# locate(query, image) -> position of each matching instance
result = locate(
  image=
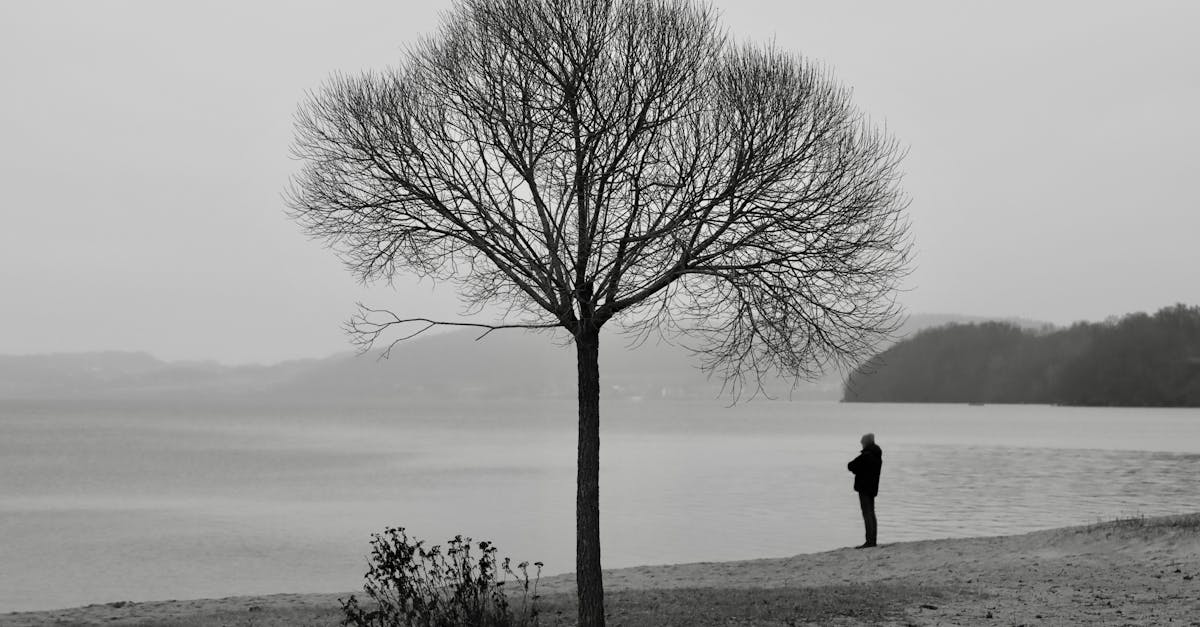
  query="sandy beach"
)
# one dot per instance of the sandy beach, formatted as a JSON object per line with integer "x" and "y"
{"x": 1141, "y": 571}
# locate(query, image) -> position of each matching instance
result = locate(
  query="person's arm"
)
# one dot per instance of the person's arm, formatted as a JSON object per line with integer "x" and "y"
{"x": 854, "y": 464}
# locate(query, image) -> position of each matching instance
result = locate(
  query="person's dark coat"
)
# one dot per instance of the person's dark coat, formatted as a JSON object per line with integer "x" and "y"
{"x": 866, "y": 470}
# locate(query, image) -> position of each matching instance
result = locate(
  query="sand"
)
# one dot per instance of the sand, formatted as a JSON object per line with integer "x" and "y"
{"x": 1128, "y": 572}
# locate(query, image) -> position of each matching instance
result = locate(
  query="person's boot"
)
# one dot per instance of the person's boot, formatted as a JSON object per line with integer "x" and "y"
{"x": 866, "y": 545}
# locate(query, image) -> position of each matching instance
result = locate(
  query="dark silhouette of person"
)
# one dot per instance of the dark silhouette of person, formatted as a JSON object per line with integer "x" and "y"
{"x": 866, "y": 482}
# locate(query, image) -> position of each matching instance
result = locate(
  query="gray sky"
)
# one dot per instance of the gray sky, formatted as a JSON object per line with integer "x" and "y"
{"x": 144, "y": 145}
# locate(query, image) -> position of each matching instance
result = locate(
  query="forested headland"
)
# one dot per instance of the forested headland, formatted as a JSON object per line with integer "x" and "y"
{"x": 1145, "y": 360}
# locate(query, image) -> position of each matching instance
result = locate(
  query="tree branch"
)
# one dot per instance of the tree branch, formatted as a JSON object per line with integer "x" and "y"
{"x": 366, "y": 326}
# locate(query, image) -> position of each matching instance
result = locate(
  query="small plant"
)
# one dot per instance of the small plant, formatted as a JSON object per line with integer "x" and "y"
{"x": 414, "y": 587}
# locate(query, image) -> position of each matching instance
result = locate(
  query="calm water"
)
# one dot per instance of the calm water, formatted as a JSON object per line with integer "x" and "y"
{"x": 143, "y": 502}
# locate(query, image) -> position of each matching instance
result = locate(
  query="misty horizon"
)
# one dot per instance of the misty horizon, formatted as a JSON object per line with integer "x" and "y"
{"x": 374, "y": 353}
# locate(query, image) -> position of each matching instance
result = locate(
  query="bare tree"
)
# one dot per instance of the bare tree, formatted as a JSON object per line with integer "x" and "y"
{"x": 588, "y": 161}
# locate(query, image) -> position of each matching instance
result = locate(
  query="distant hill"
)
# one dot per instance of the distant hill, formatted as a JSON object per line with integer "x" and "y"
{"x": 502, "y": 365}
{"x": 1137, "y": 360}
{"x": 920, "y": 322}
{"x": 116, "y": 374}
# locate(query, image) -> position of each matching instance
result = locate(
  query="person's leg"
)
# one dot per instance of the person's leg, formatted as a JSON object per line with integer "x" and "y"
{"x": 867, "y": 503}
{"x": 872, "y": 524}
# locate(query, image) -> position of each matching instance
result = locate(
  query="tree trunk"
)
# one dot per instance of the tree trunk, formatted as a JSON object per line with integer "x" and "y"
{"x": 588, "y": 576}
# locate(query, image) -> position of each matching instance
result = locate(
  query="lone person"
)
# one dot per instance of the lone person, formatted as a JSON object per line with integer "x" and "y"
{"x": 866, "y": 482}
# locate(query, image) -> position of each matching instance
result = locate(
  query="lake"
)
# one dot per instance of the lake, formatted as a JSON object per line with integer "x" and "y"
{"x": 147, "y": 501}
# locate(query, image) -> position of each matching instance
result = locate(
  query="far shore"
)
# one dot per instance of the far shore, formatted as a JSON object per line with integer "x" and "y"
{"x": 1137, "y": 571}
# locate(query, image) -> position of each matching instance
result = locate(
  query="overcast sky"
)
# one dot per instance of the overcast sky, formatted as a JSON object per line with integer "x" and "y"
{"x": 1053, "y": 166}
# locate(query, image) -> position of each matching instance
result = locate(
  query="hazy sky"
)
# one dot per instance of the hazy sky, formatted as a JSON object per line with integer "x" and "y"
{"x": 1053, "y": 165}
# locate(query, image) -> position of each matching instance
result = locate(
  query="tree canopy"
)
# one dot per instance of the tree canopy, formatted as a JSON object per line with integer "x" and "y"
{"x": 591, "y": 161}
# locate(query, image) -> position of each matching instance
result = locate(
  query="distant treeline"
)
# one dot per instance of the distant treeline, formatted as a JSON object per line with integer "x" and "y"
{"x": 1138, "y": 360}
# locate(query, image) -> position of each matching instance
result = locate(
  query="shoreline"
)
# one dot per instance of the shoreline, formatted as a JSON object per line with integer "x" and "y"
{"x": 1128, "y": 571}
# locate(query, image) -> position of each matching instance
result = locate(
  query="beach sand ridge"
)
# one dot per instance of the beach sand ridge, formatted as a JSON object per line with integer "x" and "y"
{"x": 1141, "y": 571}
